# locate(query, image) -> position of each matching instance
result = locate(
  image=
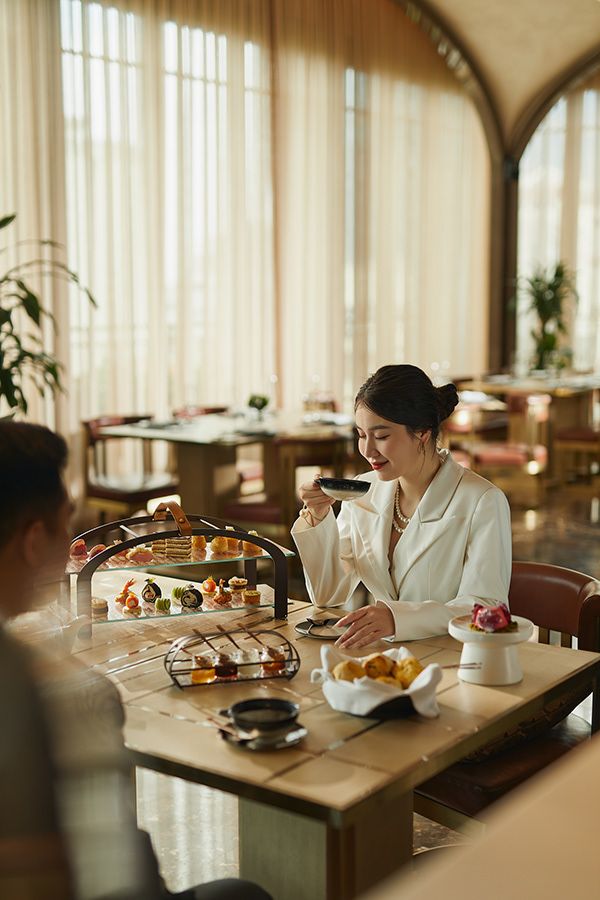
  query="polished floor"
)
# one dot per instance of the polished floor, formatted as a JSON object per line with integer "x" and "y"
{"x": 194, "y": 829}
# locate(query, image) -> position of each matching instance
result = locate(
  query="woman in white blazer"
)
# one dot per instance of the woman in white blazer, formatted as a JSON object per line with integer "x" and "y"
{"x": 427, "y": 540}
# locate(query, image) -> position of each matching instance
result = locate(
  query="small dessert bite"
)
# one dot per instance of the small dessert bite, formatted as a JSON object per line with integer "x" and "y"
{"x": 99, "y": 608}
{"x": 140, "y": 555}
{"x": 492, "y": 619}
{"x": 78, "y": 550}
{"x": 250, "y": 549}
{"x": 233, "y": 544}
{"x": 248, "y": 663}
{"x": 120, "y": 555}
{"x": 219, "y": 545}
{"x": 237, "y": 586}
{"x": 208, "y": 588}
{"x": 163, "y": 604}
{"x": 176, "y": 593}
{"x": 252, "y": 597}
{"x": 272, "y": 660}
{"x": 204, "y": 669}
{"x": 178, "y": 549}
{"x": 191, "y": 597}
{"x": 198, "y": 542}
{"x": 122, "y": 596}
{"x": 151, "y": 591}
{"x": 225, "y": 666}
{"x": 222, "y": 599}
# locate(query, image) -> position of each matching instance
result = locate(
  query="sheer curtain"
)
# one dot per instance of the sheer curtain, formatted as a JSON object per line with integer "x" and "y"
{"x": 559, "y": 198}
{"x": 259, "y": 192}
{"x": 382, "y": 191}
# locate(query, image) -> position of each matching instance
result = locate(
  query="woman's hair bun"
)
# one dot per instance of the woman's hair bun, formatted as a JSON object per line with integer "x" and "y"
{"x": 446, "y": 398}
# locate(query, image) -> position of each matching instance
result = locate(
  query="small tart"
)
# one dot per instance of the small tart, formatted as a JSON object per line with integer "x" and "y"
{"x": 252, "y": 598}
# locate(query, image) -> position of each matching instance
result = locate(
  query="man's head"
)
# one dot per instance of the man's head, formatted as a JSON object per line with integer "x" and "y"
{"x": 34, "y": 511}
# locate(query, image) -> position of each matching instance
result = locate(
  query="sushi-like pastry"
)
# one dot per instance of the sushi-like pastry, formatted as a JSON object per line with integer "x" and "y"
{"x": 219, "y": 544}
{"x": 406, "y": 670}
{"x": 151, "y": 591}
{"x": 249, "y": 549}
{"x": 120, "y": 554}
{"x": 122, "y": 597}
{"x": 198, "y": 542}
{"x": 163, "y": 604}
{"x": 208, "y": 588}
{"x": 132, "y": 601}
{"x": 140, "y": 555}
{"x": 377, "y": 664}
{"x": 78, "y": 549}
{"x": 134, "y": 611}
{"x": 191, "y": 598}
{"x": 95, "y": 550}
{"x": 252, "y": 597}
{"x": 233, "y": 544}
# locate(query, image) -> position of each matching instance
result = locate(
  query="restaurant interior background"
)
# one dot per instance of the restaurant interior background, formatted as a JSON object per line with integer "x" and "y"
{"x": 274, "y": 198}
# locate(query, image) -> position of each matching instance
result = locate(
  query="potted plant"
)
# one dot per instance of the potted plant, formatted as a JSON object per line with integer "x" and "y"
{"x": 548, "y": 291}
{"x": 22, "y": 356}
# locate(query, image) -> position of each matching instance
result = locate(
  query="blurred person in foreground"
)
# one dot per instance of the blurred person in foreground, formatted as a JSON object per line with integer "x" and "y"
{"x": 67, "y": 802}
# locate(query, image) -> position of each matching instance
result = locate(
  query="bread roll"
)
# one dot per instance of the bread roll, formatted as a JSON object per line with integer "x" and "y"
{"x": 377, "y": 664}
{"x": 406, "y": 670}
{"x": 348, "y": 670}
{"x": 387, "y": 679}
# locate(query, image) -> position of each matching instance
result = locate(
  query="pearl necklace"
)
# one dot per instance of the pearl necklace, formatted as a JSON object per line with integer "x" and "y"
{"x": 398, "y": 514}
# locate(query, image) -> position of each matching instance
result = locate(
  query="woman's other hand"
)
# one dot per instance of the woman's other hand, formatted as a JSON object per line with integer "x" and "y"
{"x": 365, "y": 626}
{"x": 314, "y": 499}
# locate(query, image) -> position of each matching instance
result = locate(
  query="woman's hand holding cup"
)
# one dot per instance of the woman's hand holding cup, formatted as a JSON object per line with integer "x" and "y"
{"x": 314, "y": 499}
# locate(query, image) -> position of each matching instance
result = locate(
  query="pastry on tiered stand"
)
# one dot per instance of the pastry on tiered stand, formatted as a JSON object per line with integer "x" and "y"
{"x": 209, "y": 589}
{"x": 222, "y": 598}
{"x": 179, "y": 549}
{"x": 151, "y": 591}
{"x": 250, "y": 549}
{"x": 238, "y": 586}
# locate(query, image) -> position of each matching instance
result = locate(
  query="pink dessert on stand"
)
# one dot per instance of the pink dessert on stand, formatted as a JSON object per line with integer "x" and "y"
{"x": 492, "y": 619}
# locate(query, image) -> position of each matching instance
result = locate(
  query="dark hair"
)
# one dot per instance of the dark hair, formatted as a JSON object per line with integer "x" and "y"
{"x": 406, "y": 395}
{"x": 32, "y": 459}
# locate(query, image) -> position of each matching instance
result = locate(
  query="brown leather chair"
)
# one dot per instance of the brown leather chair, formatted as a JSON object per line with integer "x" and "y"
{"x": 558, "y": 600}
{"x": 119, "y": 496}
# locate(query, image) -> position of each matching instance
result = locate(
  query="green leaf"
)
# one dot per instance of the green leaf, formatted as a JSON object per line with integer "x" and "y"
{"x": 7, "y": 220}
{"x": 30, "y": 303}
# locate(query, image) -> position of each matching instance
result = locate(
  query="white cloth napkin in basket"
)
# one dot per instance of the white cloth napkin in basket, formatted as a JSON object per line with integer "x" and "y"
{"x": 364, "y": 695}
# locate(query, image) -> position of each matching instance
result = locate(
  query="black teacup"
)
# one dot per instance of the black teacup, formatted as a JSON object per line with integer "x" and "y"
{"x": 268, "y": 714}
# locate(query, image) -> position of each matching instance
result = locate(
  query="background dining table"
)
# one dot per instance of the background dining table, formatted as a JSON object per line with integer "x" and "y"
{"x": 330, "y": 817}
{"x": 206, "y": 450}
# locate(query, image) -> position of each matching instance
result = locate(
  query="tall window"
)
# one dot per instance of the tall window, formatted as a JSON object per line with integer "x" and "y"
{"x": 281, "y": 188}
{"x": 559, "y": 199}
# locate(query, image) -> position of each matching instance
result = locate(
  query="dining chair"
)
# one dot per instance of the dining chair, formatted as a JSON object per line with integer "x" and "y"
{"x": 518, "y": 465}
{"x": 119, "y": 495}
{"x": 574, "y": 449}
{"x": 557, "y": 600}
{"x": 275, "y": 513}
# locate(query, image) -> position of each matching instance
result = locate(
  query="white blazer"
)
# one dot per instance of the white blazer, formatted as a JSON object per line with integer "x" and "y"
{"x": 455, "y": 551}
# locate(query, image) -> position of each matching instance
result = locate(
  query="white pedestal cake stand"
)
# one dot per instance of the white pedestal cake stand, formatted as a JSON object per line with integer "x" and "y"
{"x": 497, "y": 652}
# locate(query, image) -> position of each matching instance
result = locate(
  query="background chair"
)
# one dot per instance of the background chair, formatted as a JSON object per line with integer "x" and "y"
{"x": 517, "y": 465}
{"x": 275, "y": 511}
{"x": 118, "y": 495}
{"x": 575, "y": 450}
{"x": 556, "y": 600}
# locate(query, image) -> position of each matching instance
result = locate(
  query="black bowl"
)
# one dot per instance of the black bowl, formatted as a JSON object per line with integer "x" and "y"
{"x": 343, "y": 488}
{"x": 268, "y": 714}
